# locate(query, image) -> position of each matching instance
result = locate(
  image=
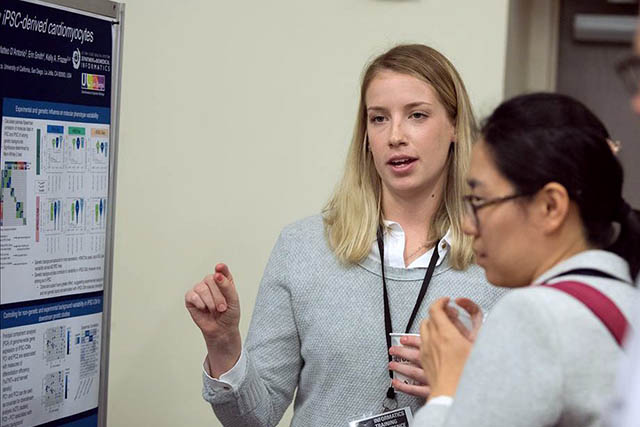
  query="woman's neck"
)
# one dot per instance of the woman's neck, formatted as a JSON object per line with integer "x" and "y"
{"x": 562, "y": 246}
{"x": 414, "y": 214}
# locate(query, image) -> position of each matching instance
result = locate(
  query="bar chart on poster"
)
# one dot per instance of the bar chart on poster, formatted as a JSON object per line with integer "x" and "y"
{"x": 59, "y": 95}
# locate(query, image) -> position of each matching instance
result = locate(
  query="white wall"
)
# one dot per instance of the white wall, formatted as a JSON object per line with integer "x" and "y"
{"x": 235, "y": 121}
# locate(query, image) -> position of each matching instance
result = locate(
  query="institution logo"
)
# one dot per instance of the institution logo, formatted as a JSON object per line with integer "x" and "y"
{"x": 95, "y": 82}
{"x": 76, "y": 59}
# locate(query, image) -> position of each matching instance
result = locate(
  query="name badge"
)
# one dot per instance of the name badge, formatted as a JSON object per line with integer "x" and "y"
{"x": 398, "y": 418}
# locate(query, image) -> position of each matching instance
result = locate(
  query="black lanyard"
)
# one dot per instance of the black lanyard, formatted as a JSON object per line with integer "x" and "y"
{"x": 390, "y": 401}
{"x": 587, "y": 272}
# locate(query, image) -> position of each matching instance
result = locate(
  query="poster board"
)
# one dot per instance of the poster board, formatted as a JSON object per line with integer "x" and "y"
{"x": 59, "y": 105}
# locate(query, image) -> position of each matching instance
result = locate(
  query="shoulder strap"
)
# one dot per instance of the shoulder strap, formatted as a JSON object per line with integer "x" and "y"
{"x": 589, "y": 272}
{"x": 600, "y": 304}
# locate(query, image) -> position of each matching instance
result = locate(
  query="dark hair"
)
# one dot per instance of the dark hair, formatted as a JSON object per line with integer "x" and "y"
{"x": 544, "y": 137}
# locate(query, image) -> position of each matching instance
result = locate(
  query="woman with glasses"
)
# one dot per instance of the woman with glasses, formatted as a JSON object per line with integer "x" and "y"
{"x": 547, "y": 217}
{"x": 388, "y": 244}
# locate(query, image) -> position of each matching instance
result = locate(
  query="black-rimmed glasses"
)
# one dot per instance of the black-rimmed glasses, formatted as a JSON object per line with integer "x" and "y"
{"x": 629, "y": 71}
{"x": 474, "y": 203}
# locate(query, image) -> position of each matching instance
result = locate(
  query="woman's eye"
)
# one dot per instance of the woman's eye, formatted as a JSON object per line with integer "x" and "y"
{"x": 376, "y": 119}
{"x": 475, "y": 200}
{"x": 418, "y": 115}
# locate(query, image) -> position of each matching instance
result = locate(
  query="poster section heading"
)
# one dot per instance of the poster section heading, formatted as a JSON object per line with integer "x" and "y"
{"x": 32, "y": 314}
{"x": 21, "y": 108}
{"x": 18, "y": 20}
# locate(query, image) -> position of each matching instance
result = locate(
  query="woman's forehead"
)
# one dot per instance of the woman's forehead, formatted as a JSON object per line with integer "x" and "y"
{"x": 388, "y": 82}
{"x": 482, "y": 171}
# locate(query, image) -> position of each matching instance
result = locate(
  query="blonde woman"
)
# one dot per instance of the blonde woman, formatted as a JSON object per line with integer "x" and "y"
{"x": 326, "y": 303}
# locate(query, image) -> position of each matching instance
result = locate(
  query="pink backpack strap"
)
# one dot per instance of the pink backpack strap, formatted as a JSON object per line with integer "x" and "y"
{"x": 600, "y": 304}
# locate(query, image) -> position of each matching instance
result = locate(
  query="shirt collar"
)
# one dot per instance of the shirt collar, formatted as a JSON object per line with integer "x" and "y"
{"x": 394, "y": 240}
{"x": 596, "y": 259}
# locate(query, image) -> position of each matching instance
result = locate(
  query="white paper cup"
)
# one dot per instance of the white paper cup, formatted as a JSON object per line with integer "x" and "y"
{"x": 463, "y": 316}
{"x": 395, "y": 341}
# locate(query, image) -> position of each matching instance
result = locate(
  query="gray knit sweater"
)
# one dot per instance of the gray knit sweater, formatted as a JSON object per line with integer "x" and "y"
{"x": 542, "y": 358}
{"x": 318, "y": 328}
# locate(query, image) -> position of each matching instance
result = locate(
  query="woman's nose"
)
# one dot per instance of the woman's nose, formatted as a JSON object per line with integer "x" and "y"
{"x": 397, "y": 136}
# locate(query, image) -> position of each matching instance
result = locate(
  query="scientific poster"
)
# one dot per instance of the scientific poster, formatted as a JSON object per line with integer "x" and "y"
{"x": 55, "y": 95}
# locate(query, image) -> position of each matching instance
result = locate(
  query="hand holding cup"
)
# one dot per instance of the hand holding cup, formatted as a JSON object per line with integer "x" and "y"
{"x": 408, "y": 376}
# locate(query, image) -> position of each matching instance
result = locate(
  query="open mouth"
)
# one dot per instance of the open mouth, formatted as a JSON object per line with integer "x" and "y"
{"x": 401, "y": 162}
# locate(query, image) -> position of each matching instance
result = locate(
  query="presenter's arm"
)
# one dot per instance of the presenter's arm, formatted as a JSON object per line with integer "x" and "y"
{"x": 215, "y": 309}
{"x": 272, "y": 359}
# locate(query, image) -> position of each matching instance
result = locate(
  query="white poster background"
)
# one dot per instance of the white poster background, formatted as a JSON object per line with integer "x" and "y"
{"x": 58, "y": 247}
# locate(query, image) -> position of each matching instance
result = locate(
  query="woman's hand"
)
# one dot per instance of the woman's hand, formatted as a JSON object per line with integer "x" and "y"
{"x": 410, "y": 350}
{"x": 215, "y": 309}
{"x": 444, "y": 348}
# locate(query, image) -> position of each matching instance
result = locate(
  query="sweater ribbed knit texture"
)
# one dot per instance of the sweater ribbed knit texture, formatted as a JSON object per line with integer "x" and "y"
{"x": 318, "y": 329}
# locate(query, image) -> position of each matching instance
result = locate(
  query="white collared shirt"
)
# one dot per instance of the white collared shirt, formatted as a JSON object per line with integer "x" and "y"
{"x": 394, "y": 240}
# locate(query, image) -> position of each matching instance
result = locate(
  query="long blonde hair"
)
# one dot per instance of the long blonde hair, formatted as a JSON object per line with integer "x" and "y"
{"x": 354, "y": 213}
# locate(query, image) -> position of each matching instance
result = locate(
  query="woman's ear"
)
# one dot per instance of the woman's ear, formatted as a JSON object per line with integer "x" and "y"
{"x": 552, "y": 205}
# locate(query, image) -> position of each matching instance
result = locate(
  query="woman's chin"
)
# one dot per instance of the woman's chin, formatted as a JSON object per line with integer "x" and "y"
{"x": 499, "y": 279}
